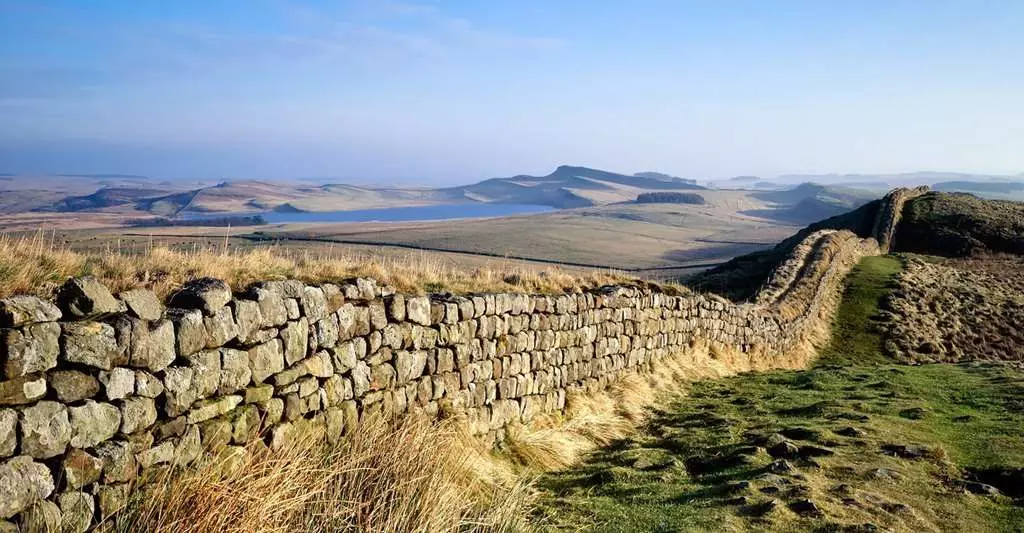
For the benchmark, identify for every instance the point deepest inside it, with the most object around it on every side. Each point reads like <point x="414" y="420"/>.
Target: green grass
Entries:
<point x="701" y="463"/>
<point x="856" y="337"/>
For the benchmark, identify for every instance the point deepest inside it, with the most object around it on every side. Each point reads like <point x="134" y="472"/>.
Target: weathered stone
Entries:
<point x="335" y="424"/>
<point x="206" y="294"/>
<point x="207" y="409"/>
<point x="41" y="517"/>
<point x="189" y="447"/>
<point x="174" y="428"/>
<point x="246" y="425"/>
<point x="336" y="390"/>
<point x="111" y="499"/>
<point x="273" y="410"/>
<point x="86" y="298"/>
<point x="137" y="414"/>
<point x="367" y="288"/>
<point x="45" y="430"/>
<point x="118" y="383"/>
<point x="344" y="357"/>
<point x="89" y="343"/>
<point x="395" y="306"/>
<point x="266" y="360"/>
<point x="152" y="345"/>
<point x="178" y="390"/>
<point x="235" y="373"/>
<point x="77" y="509"/>
<point x="205" y="372"/>
<point x="360" y="379"/>
<point x="23" y="390"/>
<point x="160" y="454"/>
<point x="22" y="483"/>
<point x="417" y="309"/>
<point x="20" y="310"/>
<point x="118" y="461"/>
<point x="248" y="319"/>
<point x="143" y="304"/>
<point x="293" y="308"/>
<point x="271" y="305"/>
<point x="314" y="303"/>
<point x="81" y="469"/>
<point x="72" y="385"/>
<point x="295" y="338"/>
<point x="93" y="423"/>
<point x="147" y="384"/>
<point x="220" y="328"/>
<point x="33" y="348"/>
<point x="216" y="434"/>
<point x="327" y="332"/>
<point x="319" y="365"/>
<point x="259" y="393"/>
<point x="190" y="332"/>
<point x="8" y="432"/>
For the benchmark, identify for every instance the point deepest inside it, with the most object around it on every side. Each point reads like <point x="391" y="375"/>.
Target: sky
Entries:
<point x="446" y="92"/>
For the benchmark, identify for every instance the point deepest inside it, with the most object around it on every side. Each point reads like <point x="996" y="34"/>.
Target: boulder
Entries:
<point x="81" y="469"/>
<point x="205" y="294"/>
<point x="73" y="385"/>
<point x="21" y="310"/>
<point x="87" y="298"/>
<point x="23" y="390"/>
<point x="77" y="509"/>
<point x="45" y="430"/>
<point x="22" y="483"/>
<point x="93" y="423"/>
<point x="33" y="348"/>
<point x="143" y="304"/>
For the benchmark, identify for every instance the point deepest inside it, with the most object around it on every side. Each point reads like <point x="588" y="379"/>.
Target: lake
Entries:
<point x="393" y="214"/>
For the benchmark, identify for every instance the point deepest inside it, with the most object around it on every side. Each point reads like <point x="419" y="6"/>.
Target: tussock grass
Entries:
<point x="37" y="265"/>
<point x="416" y="475"/>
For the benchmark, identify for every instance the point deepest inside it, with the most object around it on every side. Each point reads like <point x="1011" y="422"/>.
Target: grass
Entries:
<point x="855" y="333"/>
<point x="700" y="462"/>
<point x="36" y="265"/>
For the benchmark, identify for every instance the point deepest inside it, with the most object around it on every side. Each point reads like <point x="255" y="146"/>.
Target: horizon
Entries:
<point x="442" y="93"/>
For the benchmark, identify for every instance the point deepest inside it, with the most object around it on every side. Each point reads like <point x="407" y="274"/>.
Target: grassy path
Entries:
<point x="853" y="444"/>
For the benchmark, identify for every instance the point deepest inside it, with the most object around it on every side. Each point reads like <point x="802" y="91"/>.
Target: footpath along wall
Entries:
<point x="96" y="388"/>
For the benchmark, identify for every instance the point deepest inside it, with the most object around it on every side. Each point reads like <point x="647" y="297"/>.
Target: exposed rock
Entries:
<point x="84" y="298"/>
<point x="805" y="507"/>
<point x="143" y="304"/>
<point x="206" y="294"/>
<point x="981" y="488"/>
<point x="784" y="449"/>
<point x="77" y="509"/>
<point x="22" y="483"/>
<point x="137" y="414"/>
<point x="118" y="383"/>
<point x="33" y="348"/>
<point x="23" y="390"/>
<point x="72" y="385"/>
<point x="850" y="431"/>
<point x="20" y="310"/>
<point x="45" y="430"/>
<point x="81" y="469"/>
<point x="93" y="423"/>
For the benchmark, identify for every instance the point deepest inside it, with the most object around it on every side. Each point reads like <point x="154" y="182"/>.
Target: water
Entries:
<point x="395" y="214"/>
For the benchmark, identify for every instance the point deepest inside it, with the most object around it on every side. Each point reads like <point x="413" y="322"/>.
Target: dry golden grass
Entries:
<point x="416" y="475"/>
<point x="35" y="265"/>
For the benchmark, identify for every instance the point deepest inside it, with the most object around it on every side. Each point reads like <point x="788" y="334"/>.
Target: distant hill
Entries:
<point x="809" y="202"/>
<point x="104" y="198"/>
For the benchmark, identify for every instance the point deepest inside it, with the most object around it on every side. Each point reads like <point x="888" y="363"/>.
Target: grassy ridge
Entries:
<point x="855" y="335"/>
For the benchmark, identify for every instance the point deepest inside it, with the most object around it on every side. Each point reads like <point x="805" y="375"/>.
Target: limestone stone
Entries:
<point x="118" y="461"/>
<point x="20" y="310"/>
<point x="216" y="434"/>
<point x="327" y="331"/>
<point x="45" y="430"/>
<point x="271" y="305"/>
<point x="143" y="303"/>
<point x="89" y="343"/>
<point x="292" y="305"/>
<point x="205" y="372"/>
<point x="93" y="422"/>
<point x="417" y="309"/>
<point x="189" y="447"/>
<point x="395" y="306"/>
<point x="206" y="409"/>
<point x="111" y="498"/>
<point x="41" y="517"/>
<point x="33" y="348"/>
<point x="23" y="390"/>
<point x="246" y="425"/>
<point x="77" y="509"/>
<point x="8" y="432"/>
<point x="335" y="422"/>
<point x="152" y="344"/>
<point x="205" y="294"/>
<point x="288" y="288"/>
<point x="319" y="365"/>
<point x="137" y="414"/>
<point x="273" y="409"/>
<point x="81" y="469"/>
<point x="190" y="332"/>
<point x="259" y="393"/>
<point x="85" y="298"/>
<point x="337" y="389"/>
<point x="344" y="357"/>
<point x="248" y="319"/>
<point x="73" y="385"/>
<point x="367" y="288"/>
<point x="147" y="384"/>
<point x="160" y="454"/>
<point x="360" y="379"/>
<point x="314" y="303"/>
<point x="266" y="360"/>
<point x="378" y="315"/>
<point x="178" y="390"/>
<point x="220" y="327"/>
<point x="22" y="483"/>
<point x="235" y="373"/>
<point x="295" y="338"/>
<point x="118" y="383"/>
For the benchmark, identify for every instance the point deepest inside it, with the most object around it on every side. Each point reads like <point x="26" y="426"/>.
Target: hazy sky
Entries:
<point x="449" y="91"/>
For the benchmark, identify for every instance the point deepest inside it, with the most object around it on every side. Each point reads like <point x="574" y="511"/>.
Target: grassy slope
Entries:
<point x="685" y="470"/>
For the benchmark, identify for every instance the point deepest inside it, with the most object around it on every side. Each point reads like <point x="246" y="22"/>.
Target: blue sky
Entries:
<point x="450" y="91"/>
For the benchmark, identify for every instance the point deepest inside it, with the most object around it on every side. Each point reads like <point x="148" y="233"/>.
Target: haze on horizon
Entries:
<point x="448" y="91"/>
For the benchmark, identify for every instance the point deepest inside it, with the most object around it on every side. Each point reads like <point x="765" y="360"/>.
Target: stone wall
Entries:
<point x="97" y="388"/>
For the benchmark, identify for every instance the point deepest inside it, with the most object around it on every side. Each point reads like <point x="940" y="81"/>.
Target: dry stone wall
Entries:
<point x="97" y="388"/>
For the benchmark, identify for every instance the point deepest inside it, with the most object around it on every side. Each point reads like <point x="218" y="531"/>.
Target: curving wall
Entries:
<point x="97" y="388"/>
